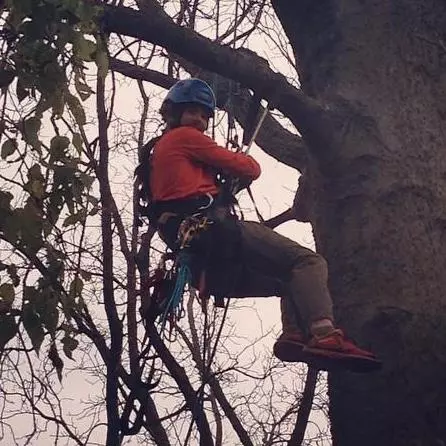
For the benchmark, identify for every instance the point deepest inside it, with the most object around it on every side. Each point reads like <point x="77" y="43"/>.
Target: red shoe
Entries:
<point x="334" y="351"/>
<point x="289" y="347"/>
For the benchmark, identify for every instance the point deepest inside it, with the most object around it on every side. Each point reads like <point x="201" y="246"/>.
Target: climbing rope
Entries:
<point x="174" y="309"/>
<point x="246" y="150"/>
<point x="256" y="131"/>
<point x="169" y="284"/>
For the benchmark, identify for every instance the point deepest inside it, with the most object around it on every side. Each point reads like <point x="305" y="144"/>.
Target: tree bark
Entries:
<point x="380" y="211"/>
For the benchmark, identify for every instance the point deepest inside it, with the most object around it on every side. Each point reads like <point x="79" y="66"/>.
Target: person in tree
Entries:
<point x="240" y="258"/>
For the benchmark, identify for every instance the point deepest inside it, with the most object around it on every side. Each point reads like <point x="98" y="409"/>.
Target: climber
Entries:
<point x="239" y="258"/>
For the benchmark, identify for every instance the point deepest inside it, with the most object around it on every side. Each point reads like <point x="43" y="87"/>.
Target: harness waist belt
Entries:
<point x="182" y="206"/>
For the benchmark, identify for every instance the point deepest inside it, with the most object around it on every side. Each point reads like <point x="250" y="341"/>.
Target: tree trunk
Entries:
<point x="380" y="214"/>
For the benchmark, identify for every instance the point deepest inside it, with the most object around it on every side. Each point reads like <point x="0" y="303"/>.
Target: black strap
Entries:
<point x="182" y="206"/>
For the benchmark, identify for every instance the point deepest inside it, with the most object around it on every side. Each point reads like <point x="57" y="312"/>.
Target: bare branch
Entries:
<point x="183" y="382"/>
<point x="297" y="437"/>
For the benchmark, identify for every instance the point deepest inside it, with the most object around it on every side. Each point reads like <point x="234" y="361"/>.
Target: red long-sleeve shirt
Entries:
<point x="184" y="163"/>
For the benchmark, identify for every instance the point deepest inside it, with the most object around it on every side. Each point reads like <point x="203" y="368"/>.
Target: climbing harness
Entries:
<point x="190" y="228"/>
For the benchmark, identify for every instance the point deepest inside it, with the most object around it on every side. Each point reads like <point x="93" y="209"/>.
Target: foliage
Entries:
<point x="47" y="48"/>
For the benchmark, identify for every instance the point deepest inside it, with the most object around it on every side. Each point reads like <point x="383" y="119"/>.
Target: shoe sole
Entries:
<point x="289" y="351"/>
<point x="330" y="360"/>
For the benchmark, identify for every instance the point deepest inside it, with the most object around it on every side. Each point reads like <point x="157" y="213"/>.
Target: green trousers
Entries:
<point x="269" y="264"/>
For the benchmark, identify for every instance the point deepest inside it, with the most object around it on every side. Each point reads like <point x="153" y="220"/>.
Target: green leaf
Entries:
<point x="77" y="142"/>
<point x="50" y="316"/>
<point x="77" y="188"/>
<point x="12" y="272"/>
<point x="33" y="326"/>
<point x="68" y="304"/>
<point x="32" y="125"/>
<point x="83" y="48"/>
<point x="93" y="200"/>
<point x="6" y="77"/>
<point x="5" y="199"/>
<point x="86" y="275"/>
<point x="58" y="104"/>
<point x="71" y="220"/>
<point x="94" y="211"/>
<point x="87" y="180"/>
<point x="69" y="201"/>
<point x="37" y="189"/>
<point x="81" y="86"/>
<point x="52" y="78"/>
<point x="36" y="184"/>
<point x="58" y="147"/>
<point x="7" y="291"/>
<point x="35" y="173"/>
<point x="69" y="345"/>
<point x="55" y="359"/>
<point x="59" y="143"/>
<point x="8" y="148"/>
<point x="31" y="129"/>
<point x="7" y="295"/>
<point x="21" y="92"/>
<point x="11" y="225"/>
<point x="55" y="205"/>
<point x="27" y="224"/>
<point x="42" y="106"/>
<point x="76" y="287"/>
<point x="75" y="218"/>
<point x="76" y="109"/>
<point x="8" y="329"/>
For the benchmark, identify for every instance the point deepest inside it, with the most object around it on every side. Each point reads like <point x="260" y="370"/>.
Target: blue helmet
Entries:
<point x="193" y="91"/>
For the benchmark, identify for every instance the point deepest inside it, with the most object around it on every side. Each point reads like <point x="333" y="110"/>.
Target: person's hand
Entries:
<point x="242" y="183"/>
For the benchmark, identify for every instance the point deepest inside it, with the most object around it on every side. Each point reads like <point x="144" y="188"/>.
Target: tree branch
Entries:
<point x="181" y="378"/>
<point x="155" y="26"/>
<point x="273" y="138"/>
<point x="297" y="437"/>
<point x="152" y="421"/>
<point x="217" y="391"/>
<point x="112" y="402"/>
<point x="288" y="215"/>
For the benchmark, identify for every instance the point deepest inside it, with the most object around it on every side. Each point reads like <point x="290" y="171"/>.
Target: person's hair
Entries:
<point x="171" y="112"/>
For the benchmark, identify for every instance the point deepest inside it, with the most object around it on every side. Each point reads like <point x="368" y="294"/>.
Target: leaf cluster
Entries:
<point x="47" y="41"/>
<point x="47" y="46"/>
